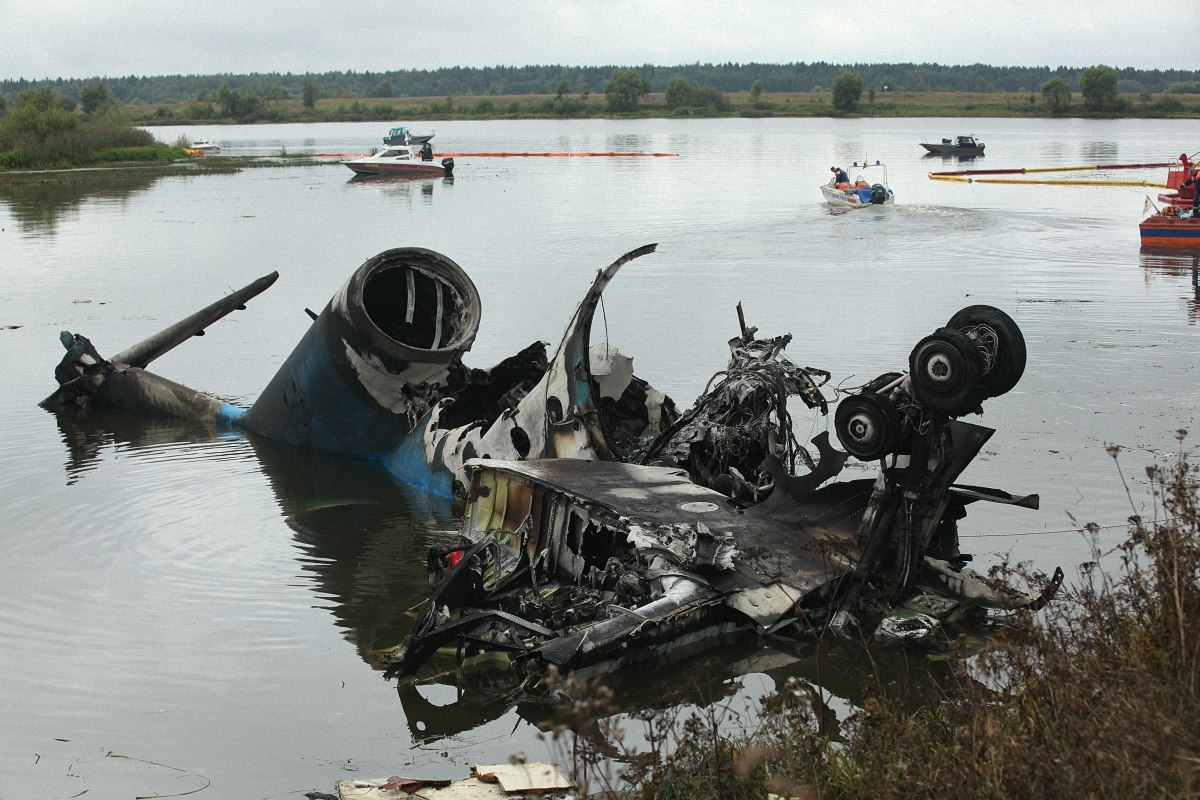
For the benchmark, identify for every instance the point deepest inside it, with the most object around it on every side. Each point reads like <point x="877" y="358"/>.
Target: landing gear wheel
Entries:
<point x="867" y="425"/>
<point x="945" y="368"/>
<point x="1000" y="341"/>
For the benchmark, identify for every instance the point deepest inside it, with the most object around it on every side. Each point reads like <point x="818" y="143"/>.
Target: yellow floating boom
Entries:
<point x="933" y="176"/>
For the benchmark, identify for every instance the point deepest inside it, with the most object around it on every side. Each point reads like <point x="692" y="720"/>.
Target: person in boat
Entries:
<point x="1194" y="182"/>
<point x="426" y="152"/>
<point x="839" y="175"/>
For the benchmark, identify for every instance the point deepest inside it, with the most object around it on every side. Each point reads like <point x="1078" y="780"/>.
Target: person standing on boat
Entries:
<point x="1194" y="182"/>
<point x="839" y="175"/>
<point x="427" y="152"/>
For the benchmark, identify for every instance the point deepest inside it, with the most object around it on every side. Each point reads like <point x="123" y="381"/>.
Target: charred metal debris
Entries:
<point x="602" y="526"/>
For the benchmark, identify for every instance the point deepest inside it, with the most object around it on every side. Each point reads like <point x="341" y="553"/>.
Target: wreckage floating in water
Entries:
<point x="380" y="375"/>
<point x="603" y="526"/>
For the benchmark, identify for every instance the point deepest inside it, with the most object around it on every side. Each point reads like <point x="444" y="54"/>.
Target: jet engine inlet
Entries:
<point x="375" y="358"/>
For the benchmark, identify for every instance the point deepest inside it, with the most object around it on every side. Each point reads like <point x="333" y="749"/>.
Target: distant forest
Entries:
<point x="729" y="77"/>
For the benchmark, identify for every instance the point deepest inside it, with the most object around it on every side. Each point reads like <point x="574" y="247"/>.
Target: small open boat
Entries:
<point x="399" y="160"/>
<point x="861" y="192"/>
<point x="958" y="146"/>
<point x="1172" y="227"/>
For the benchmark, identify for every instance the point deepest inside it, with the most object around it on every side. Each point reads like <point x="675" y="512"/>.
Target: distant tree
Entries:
<point x="3" y="103"/>
<point x="238" y="103"/>
<point x="36" y="114"/>
<point x="625" y="89"/>
<point x="1098" y="85"/>
<point x="584" y="92"/>
<point x="94" y="97"/>
<point x="309" y="94"/>
<point x="564" y="86"/>
<point x="1056" y="96"/>
<point x="683" y="94"/>
<point x="382" y="89"/>
<point x="756" y="92"/>
<point x="847" y="90"/>
<point x="678" y="91"/>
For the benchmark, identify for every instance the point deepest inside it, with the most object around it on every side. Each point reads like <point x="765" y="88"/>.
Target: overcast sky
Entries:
<point x="107" y="38"/>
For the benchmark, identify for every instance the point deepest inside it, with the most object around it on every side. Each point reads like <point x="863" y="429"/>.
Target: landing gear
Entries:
<point x="1000" y="342"/>
<point x="945" y="368"/>
<point x="867" y="425"/>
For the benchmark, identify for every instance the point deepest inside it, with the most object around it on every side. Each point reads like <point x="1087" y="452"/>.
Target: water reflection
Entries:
<point x="1176" y="265"/>
<point x="37" y="205"/>
<point x="90" y="433"/>
<point x="362" y="537"/>
<point x="405" y="186"/>
<point x="838" y="676"/>
<point x="1101" y="152"/>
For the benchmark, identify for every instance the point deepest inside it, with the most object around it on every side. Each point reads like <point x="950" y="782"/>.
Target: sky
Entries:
<point x="42" y="39"/>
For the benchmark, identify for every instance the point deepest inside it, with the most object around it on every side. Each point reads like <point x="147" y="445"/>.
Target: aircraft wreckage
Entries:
<point x="602" y="525"/>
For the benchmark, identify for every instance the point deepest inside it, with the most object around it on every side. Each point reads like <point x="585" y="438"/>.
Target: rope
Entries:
<point x="1040" y="533"/>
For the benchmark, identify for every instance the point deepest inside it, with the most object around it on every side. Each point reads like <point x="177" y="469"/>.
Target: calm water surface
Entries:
<point x="207" y="606"/>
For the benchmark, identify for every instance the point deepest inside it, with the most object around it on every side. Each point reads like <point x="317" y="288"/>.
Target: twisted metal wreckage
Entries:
<point x="602" y="526"/>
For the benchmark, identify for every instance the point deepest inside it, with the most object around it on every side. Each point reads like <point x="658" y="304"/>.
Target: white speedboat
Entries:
<point x="866" y="190"/>
<point x="206" y="145"/>
<point x="400" y="160"/>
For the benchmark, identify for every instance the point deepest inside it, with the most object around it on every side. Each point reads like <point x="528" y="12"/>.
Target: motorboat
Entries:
<point x="402" y="135"/>
<point x="958" y="146"/>
<point x="1172" y="228"/>
<point x="400" y="160"/>
<point x="201" y="147"/>
<point x="862" y="192"/>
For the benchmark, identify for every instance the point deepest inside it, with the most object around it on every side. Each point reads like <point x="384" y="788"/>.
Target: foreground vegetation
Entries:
<point x="1098" y="697"/>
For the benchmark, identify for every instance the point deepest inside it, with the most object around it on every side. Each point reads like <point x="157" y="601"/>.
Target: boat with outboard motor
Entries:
<point x="401" y="160"/>
<point x="861" y="193"/>
<point x="402" y="135"/>
<point x="958" y="146"/>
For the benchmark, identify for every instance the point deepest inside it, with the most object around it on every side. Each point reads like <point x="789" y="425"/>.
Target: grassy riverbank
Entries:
<point x="549" y="106"/>
<point x="1097" y="696"/>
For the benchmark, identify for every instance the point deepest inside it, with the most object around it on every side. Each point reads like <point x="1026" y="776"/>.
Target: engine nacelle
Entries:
<point x="370" y="364"/>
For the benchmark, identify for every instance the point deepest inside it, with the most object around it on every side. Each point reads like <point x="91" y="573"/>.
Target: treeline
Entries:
<point x="500" y="80"/>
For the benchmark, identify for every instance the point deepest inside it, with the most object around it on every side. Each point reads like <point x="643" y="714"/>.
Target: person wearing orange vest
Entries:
<point x="1194" y="182"/>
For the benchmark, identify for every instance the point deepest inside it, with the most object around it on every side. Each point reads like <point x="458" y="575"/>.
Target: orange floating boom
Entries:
<point x="558" y="155"/>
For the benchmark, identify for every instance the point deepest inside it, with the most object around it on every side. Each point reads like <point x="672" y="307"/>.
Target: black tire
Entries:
<point x="999" y="338"/>
<point x="945" y="368"/>
<point x="867" y="425"/>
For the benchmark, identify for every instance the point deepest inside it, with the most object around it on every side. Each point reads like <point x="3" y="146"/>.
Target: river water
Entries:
<point x="184" y="609"/>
